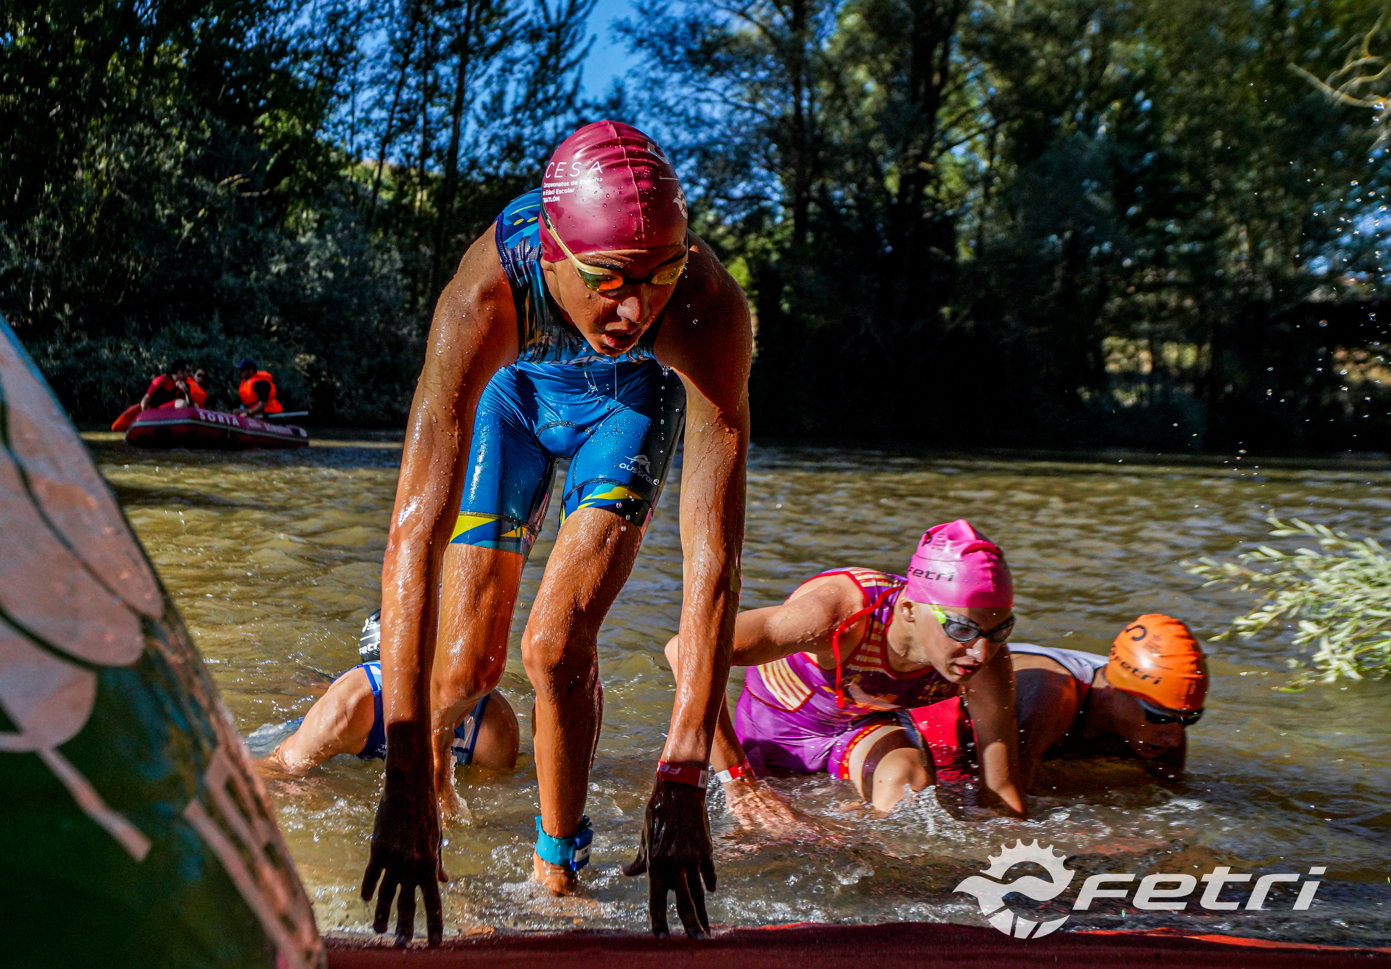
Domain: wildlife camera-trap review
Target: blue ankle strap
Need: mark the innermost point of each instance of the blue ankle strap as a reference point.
(571, 852)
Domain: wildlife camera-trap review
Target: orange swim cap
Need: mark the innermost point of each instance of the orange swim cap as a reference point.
(1156, 657)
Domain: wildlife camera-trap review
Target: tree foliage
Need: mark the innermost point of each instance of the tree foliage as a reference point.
(281, 179)
(1084, 218)
(989, 221)
(1338, 597)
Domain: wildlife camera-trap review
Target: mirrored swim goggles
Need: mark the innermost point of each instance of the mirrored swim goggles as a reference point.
(963, 630)
(602, 280)
(1154, 713)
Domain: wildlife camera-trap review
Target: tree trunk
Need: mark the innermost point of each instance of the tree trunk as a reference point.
(421, 277)
(445, 213)
(388, 134)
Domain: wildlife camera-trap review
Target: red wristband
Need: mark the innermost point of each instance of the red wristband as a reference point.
(739, 770)
(683, 774)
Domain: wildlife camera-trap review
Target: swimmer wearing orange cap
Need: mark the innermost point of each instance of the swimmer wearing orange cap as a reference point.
(1138, 700)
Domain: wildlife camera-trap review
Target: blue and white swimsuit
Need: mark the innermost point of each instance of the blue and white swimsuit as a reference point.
(616, 419)
(465, 734)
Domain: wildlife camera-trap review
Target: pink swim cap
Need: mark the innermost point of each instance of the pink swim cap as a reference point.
(608, 186)
(957, 566)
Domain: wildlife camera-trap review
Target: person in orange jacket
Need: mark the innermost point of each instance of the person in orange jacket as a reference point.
(191, 391)
(257, 391)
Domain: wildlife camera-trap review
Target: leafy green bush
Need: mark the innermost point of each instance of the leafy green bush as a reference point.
(1338, 595)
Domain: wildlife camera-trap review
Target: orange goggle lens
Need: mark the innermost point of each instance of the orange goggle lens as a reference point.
(668, 276)
(608, 283)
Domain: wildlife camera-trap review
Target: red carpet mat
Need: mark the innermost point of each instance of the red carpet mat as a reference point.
(907, 945)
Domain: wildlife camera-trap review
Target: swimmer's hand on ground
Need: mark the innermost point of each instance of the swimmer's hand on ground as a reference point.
(406, 855)
(757, 807)
(676, 854)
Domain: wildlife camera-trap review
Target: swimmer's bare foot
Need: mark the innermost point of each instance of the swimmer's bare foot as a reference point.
(275, 767)
(556, 879)
(757, 807)
(452, 806)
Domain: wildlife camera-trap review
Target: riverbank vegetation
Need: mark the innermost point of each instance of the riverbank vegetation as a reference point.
(1023, 222)
(1337, 597)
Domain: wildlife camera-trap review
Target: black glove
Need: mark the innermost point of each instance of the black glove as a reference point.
(406, 855)
(676, 854)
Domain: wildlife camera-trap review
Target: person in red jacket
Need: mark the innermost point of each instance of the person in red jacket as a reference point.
(164, 390)
(257, 391)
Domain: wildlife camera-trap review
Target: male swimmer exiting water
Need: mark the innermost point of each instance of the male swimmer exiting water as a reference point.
(831, 665)
(1139, 701)
(553, 340)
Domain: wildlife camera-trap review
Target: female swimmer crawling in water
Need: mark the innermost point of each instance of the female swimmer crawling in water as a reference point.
(831, 666)
(348, 720)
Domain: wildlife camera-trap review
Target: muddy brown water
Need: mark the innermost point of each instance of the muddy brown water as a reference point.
(274, 560)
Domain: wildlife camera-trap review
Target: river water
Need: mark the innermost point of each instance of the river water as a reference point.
(274, 560)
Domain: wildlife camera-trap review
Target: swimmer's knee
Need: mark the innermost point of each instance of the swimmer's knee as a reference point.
(902, 768)
(455, 688)
(672, 646)
(557, 665)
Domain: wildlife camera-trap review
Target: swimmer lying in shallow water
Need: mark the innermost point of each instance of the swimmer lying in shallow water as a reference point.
(831, 667)
(348, 720)
(1137, 701)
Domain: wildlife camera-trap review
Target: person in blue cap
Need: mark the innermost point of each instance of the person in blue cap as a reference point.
(256, 390)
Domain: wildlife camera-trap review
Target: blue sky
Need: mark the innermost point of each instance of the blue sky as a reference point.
(606, 59)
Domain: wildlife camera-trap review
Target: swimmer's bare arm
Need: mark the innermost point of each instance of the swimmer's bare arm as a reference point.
(473, 335)
(1046, 704)
(990, 698)
(339, 722)
(803, 624)
(708, 338)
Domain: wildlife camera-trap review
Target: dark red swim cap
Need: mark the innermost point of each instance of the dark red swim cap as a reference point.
(608, 186)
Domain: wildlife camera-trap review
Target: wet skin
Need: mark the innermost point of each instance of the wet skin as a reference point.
(340, 721)
(613, 322)
(916, 640)
(440, 654)
(1049, 701)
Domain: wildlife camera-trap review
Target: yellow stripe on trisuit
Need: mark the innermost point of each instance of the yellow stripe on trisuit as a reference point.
(605, 497)
(785, 685)
(466, 523)
(616, 493)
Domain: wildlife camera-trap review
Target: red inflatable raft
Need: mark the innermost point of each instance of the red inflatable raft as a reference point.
(197, 427)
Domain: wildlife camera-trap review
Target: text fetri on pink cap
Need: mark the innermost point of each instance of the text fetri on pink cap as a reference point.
(609, 186)
(957, 566)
